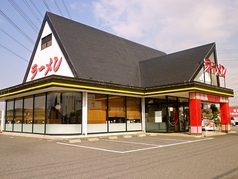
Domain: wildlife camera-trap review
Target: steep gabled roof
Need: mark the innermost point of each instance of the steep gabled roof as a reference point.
(174, 68)
(97, 55)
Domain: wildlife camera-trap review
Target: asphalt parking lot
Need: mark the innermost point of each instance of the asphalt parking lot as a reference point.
(130, 144)
(123, 156)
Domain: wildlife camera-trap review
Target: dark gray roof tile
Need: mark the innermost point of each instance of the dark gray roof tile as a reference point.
(173, 68)
(99, 55)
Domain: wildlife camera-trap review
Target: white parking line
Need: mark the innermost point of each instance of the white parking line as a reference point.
(126, 142)
(94, 148)
(186, 142)
(136, 143)
(174, 140)
(137, 150)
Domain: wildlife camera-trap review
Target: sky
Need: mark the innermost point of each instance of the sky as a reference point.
(166, 25)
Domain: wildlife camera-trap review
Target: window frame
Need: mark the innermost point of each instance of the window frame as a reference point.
(46, 41)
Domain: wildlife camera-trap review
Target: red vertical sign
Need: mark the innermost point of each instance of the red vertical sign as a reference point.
(225, 115)
(195, 112)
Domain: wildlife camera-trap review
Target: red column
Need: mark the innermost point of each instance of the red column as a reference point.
(195, 116)
(225, 117)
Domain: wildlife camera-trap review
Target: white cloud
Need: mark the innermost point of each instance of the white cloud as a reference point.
(169, 25)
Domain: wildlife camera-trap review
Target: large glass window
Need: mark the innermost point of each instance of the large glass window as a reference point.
(108, 113)
(97, 105)
(54, 115)
(133, 108)
(116, 113)
(97, 108)
(39, 114)
(61, 113)
(9, 115)
(116, 109)
(18, 115)
(64, 109)
(156, 116)
(71, 109)
(28, 114)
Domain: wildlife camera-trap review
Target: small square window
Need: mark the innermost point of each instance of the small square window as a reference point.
(46, 41)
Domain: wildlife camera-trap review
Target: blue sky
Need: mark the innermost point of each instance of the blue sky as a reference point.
(167, 25)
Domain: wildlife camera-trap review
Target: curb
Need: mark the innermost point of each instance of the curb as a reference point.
(79, 138)
(141, 135)
(127, 136)
(113, 137)
(93, 139)
(74, 141)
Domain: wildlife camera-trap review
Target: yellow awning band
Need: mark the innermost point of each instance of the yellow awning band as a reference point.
(114, 90)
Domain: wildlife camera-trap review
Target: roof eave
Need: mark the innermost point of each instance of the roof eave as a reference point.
(189, 86)
(100, 86)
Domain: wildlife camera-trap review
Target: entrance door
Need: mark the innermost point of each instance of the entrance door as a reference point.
(156, 117)
(178, 118)
(171, 115)
(173, 119)
(183, 118)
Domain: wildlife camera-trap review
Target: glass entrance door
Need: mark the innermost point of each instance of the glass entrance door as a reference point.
(156, 118)
(170, 115)
(178, 118)
(183, 118)
(172, 119)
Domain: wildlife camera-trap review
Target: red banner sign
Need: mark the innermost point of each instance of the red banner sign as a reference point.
(213, 98)
(220, 69)
(208, 97)
(46, 68)
(234, 111)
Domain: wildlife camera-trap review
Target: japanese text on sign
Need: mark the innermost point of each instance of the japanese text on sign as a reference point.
(220, 69)
(47, 67)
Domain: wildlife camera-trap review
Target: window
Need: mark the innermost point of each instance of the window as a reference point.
(116, 109)
(53, 108)
(39, 114)
(9, 115)
(64, 108)
(28, 114)
(46, 41)
(133, 110)
(97, 108)
(18, 115)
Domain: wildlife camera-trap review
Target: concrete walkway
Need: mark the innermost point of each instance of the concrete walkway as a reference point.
(95, 137)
